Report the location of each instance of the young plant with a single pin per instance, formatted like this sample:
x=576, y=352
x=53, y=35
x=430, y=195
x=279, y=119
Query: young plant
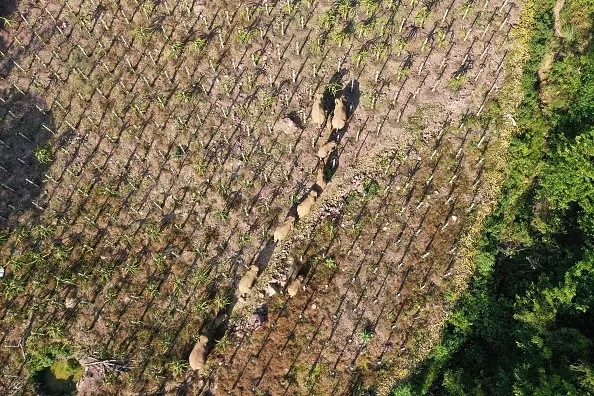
x=366, y=335
x=421, y=17
x=344, y=8
x=333, y=88
x=153, y=234
x=370, y=6
x=176, y=49
x=457, y=82
x=223, y=342
x=361, y=56
x=198, y=45
x=327, y=19
x=244, y=36
x=177, y=368
x=330, y=262
x=43, y=155
x=143, y=33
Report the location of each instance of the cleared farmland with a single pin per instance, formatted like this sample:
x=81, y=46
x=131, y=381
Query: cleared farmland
x=150, y=149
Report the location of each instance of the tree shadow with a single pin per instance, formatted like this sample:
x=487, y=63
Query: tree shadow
x=352, y=95
x=7, y=7
x=294, y=116
x=25, y=155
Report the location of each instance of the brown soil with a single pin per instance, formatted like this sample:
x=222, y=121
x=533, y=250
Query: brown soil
x=169, y=175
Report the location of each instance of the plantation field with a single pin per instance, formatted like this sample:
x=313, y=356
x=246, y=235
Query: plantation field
x=149, y=150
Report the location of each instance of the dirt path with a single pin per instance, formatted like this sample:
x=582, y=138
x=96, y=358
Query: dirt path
x=549, y=57
x=558, y=7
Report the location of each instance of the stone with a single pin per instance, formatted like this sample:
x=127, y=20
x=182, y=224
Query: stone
x=287, y=126
x=258, y=317
x=272, y=289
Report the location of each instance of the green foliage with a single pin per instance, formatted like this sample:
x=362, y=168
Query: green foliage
x=44, y=355
x=568, y=178
x=402, y=390
x=330, y=263
x=143, y=32
x=244, y=36
x=177, y=367
x=64, y=369
x=198, y=45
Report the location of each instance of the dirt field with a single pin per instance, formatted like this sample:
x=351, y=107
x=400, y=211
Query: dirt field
x=149, y=149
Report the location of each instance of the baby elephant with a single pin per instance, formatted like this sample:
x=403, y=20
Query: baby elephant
x=294, y=287
x=321, y=178
x=340, y=115
x=248, y=280
x=318, y=114
x=305, y=207
x=283, y=230
x=325, y=150
x=199, y=353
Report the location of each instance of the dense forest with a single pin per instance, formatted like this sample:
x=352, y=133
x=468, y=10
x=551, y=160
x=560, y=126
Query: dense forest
x=526, y=324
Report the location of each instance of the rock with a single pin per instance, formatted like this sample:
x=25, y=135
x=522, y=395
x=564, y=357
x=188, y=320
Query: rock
x=305, y=206
x=454, y=219
x=329, y=125
x=325, y=150
x=258, y=317
x=287, y=126
x=272, y=289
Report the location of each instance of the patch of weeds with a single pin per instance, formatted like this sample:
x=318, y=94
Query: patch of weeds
x=177, y=368
x=223, y=215
x=330, y=263
x=371, y=188
x=333, y=88
x=60, y=378
x=352, y=197
x=314, y=375
x=177, y=153
x=43, y=155
x=457, y=82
